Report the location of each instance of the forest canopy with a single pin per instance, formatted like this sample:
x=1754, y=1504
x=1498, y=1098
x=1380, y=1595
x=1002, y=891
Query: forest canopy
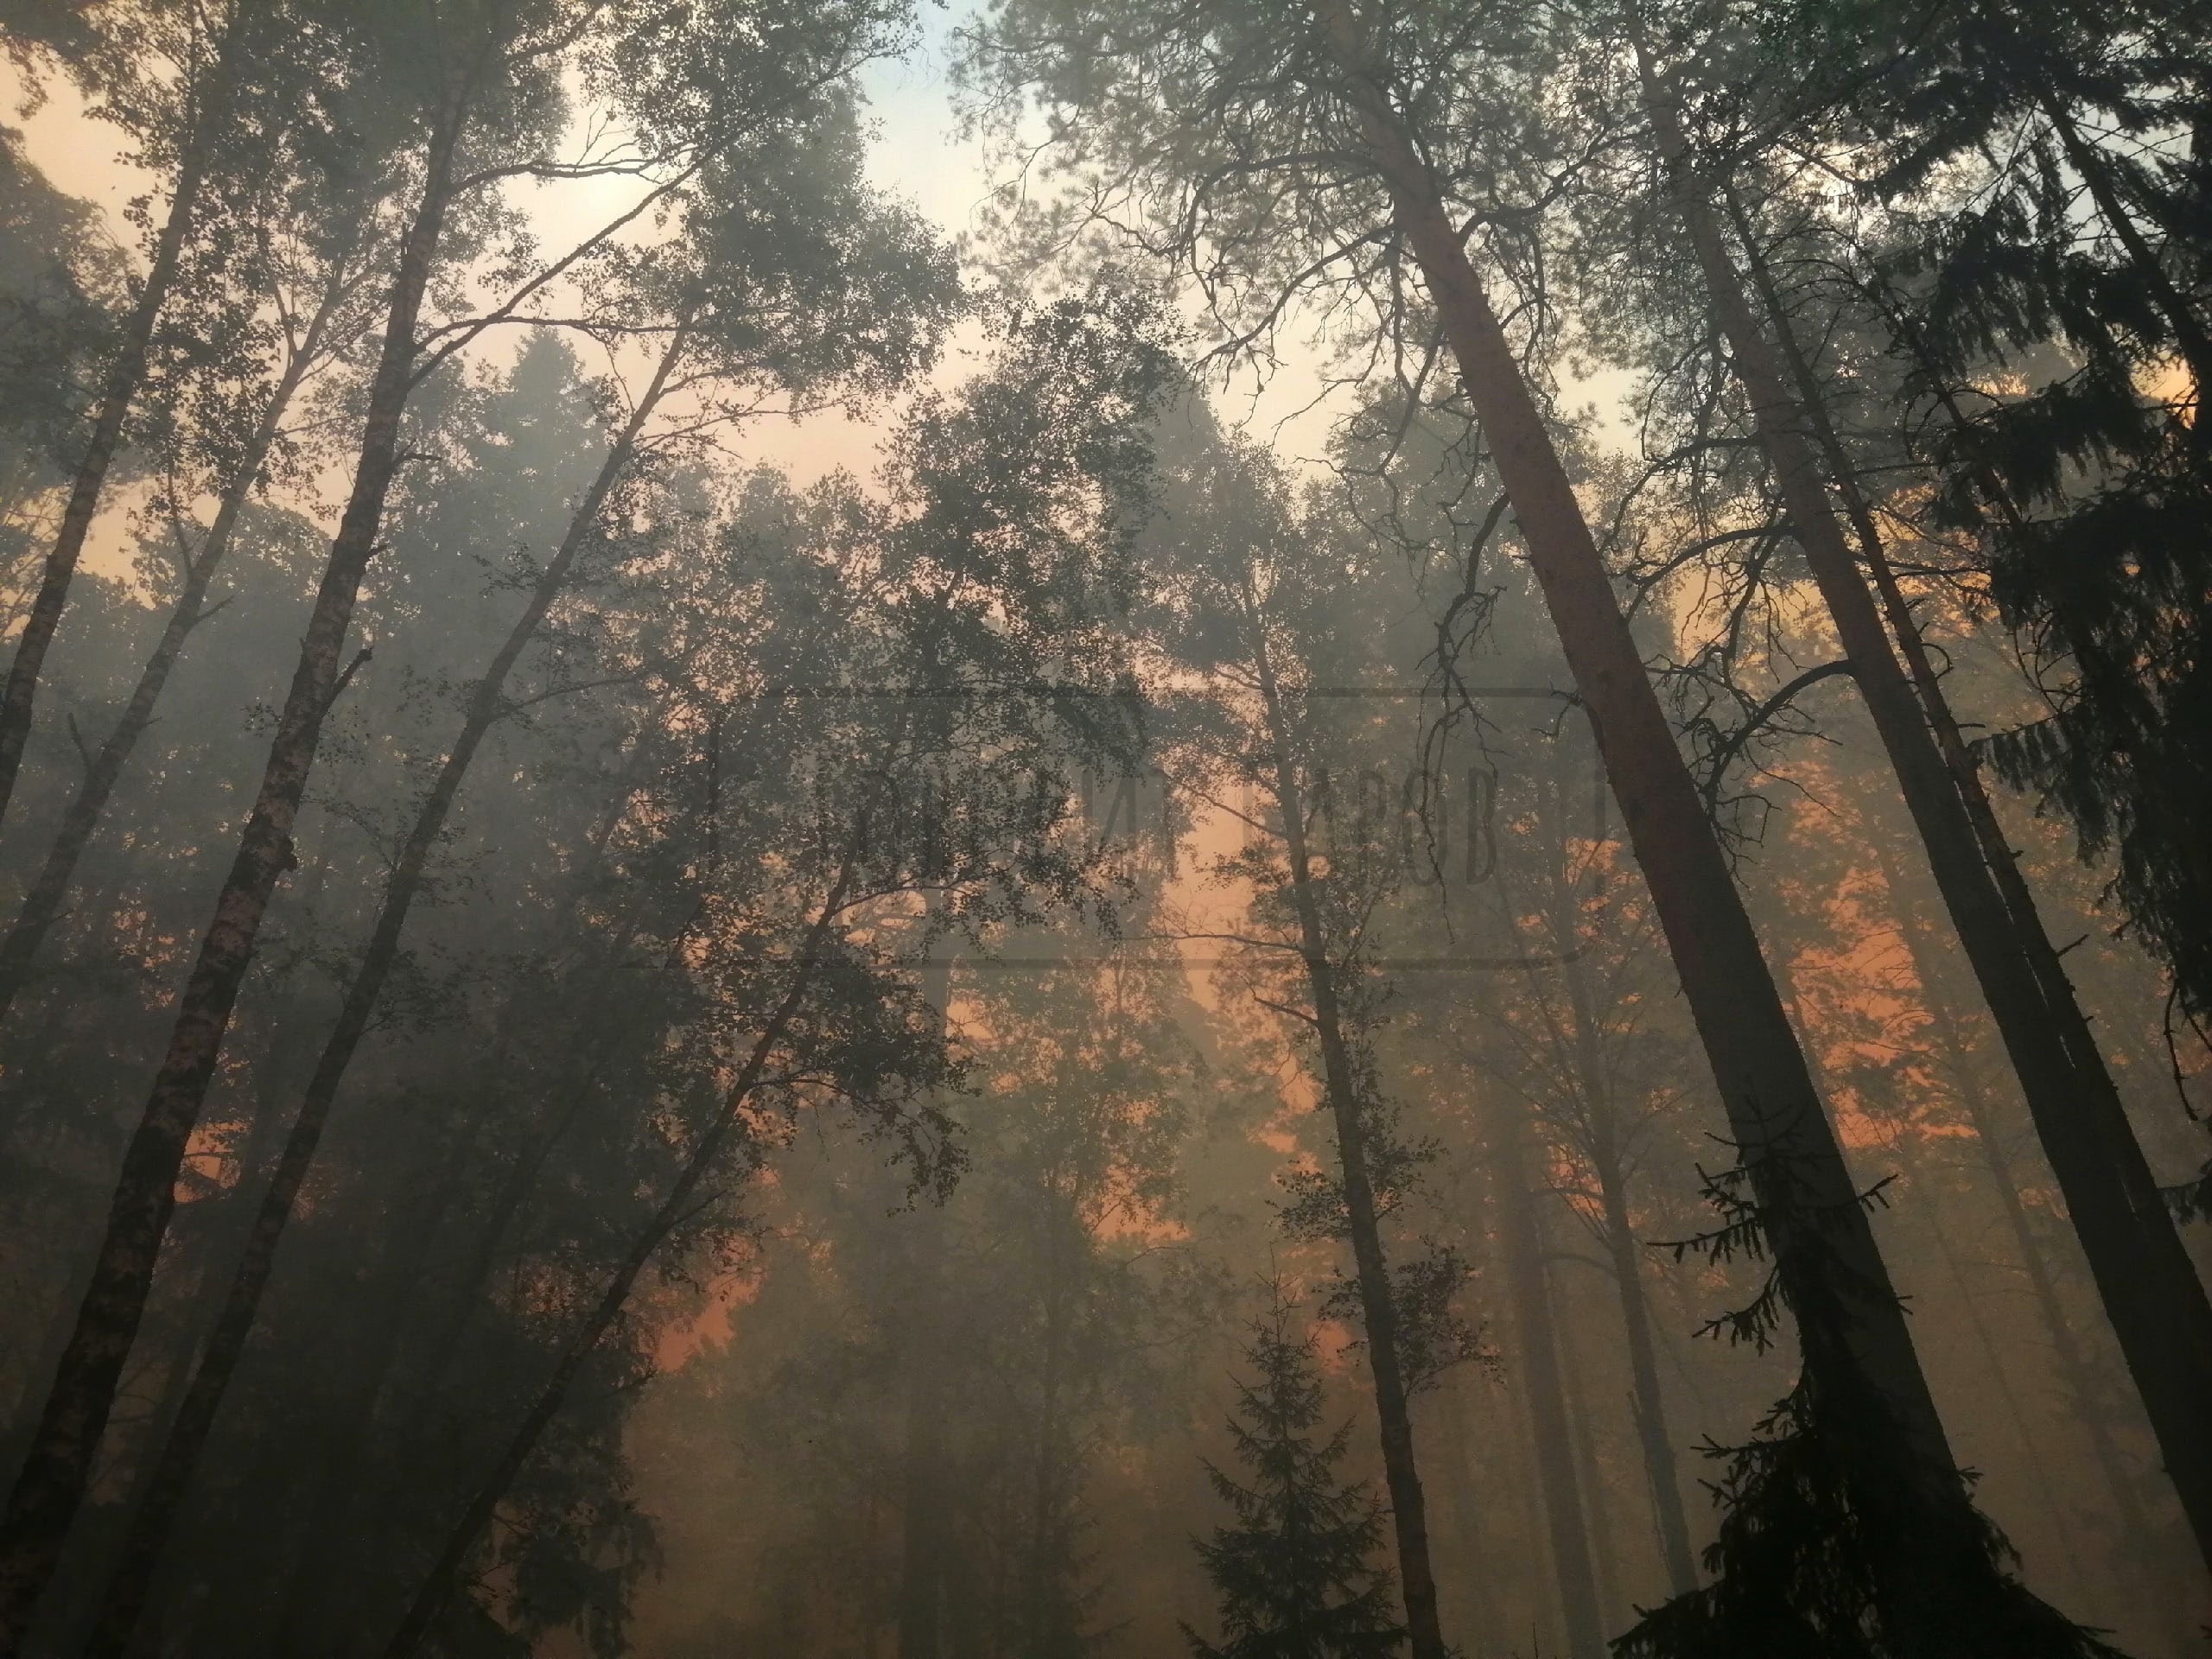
x=1074, y=830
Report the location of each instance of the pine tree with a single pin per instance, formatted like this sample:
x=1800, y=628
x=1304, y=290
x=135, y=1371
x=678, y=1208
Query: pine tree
x=1293, y=1570
x=1824, y=1551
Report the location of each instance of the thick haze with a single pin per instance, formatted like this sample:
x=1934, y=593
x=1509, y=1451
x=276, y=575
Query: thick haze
x=1443, y=900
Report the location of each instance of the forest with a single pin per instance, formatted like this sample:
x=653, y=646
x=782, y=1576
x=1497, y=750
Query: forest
x=1105, y=829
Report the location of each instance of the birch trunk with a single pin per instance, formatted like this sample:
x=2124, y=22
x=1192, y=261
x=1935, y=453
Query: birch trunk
x=133, y=1574
x=52, y=1484
x=49, y=889
x=126, y=375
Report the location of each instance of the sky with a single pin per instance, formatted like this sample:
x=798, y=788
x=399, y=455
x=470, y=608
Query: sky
x=916, y=152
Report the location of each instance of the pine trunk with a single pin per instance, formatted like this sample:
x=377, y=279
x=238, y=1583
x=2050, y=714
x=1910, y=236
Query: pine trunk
x=924, y=1492
x=1340, y=1091
x=48, y=1492
x=1585, y=1063
x=2077, y=1373
x=1653, y=1437
x=2149, y=1285
x=1521, y=1234
x=1775, y=1114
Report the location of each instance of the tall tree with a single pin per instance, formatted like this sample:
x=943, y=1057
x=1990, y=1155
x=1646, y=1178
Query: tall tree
x=317, y=326
x=801, y=211
x=2150, y=1287
x=488, y=89
x=170, y=76
x=984, y=596
x=1227, y=94
x=1257, y=597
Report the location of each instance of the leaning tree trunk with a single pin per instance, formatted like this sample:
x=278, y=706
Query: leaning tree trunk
x=1775, y=1114
x=52, y=1484
x=2150, y=1288
x=211, y=115
x=438, y=1583
x=1521, y=1235
x=132, y=1575
x=1340, y=1089
x=49, y=889
x=1996, y=849
x=1994, y=1362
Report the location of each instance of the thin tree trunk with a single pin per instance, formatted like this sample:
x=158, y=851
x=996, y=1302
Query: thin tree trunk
x=1997, y=851
x=1653, y=1438
x=2000, y=1373
x=1468, y=1493
x=49, y=889
x=1045, y=1499
x=922, y=1517
x=2148, y=1284
x=1649, y=1399
x=1378, y=1301
x=2074, y=1369
x=438, y=1583
x=47, y=1493
x=1775, y=1114
x=1521, y=1236
x=211, y=114
x=133, y=1573
x=1597, y=1506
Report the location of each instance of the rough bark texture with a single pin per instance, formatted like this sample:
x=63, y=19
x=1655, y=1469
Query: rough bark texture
x=438, y=1583
x=2149, y=1285
x=132, y=1576
x=49, y=889
x=52, y=1484
x=1340, y=1089
x=1775, y=1114
x=125, y=376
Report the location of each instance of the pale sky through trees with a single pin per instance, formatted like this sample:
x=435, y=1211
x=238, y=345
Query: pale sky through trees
x=917, y=151
x=1529, y=979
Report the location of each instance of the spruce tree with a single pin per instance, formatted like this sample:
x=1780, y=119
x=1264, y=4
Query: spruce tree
x=1294, y=1570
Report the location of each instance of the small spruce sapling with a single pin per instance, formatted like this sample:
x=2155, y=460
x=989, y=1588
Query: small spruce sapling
x=1295, y=1569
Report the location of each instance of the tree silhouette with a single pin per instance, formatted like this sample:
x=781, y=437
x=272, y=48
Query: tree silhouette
x=1293, y=1570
